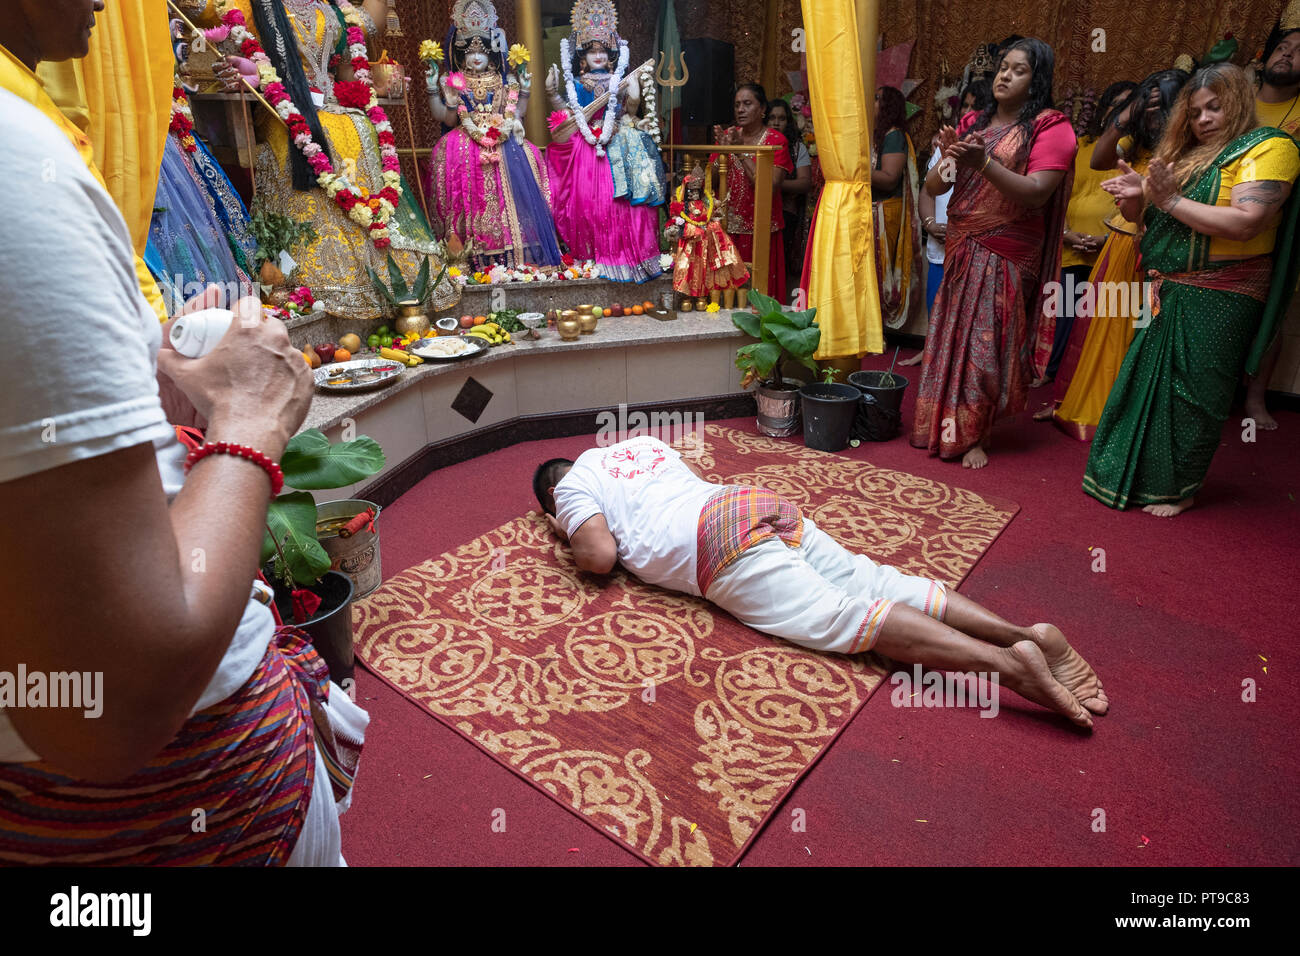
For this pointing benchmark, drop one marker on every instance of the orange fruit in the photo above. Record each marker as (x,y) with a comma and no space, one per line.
(307,358)
(480,319)
(342,355)
(609,311)
(648,306)
(637,310)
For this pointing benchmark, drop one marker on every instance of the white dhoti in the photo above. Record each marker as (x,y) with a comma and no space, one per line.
(819,595)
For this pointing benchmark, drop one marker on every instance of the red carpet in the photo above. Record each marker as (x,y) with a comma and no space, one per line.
(546,668)
(1185,772)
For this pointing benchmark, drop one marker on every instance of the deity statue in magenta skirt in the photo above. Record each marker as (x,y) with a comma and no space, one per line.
(606,173)
(489,185)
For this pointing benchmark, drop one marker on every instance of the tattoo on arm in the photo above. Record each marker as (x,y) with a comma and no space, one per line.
(1265,193)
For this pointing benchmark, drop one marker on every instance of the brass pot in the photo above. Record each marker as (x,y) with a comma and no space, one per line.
(411,318)
(568,325)
(587,321)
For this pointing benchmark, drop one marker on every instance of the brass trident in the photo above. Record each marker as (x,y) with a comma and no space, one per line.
(671,80)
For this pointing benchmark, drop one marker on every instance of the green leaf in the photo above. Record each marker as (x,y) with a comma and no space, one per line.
(380,287)
(762,355)
(421,281)
(292,519)
(747,322)
(764,304)
(311,462)
(800,343)
(801,320)
(400,291)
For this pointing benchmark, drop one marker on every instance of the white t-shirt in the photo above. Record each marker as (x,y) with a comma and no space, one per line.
(933,247)
(67,273)
(651,502)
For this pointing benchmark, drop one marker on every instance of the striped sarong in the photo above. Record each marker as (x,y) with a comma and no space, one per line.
(231,789)
(737,518)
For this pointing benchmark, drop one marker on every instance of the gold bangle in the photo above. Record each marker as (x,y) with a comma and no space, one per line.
(987,159)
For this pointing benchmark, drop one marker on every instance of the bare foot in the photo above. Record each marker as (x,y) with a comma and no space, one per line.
(1045,413)
(914,360)
(1168,511)
(1040,382)
(975,458)
(1263,420)
(1069,668)
(1031,678)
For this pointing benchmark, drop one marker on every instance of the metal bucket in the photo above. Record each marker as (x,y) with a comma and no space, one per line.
(357,556)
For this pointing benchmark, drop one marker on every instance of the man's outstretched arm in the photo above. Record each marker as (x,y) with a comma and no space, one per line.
(594,548)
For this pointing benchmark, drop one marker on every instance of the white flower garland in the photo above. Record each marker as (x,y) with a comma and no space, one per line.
(611,108)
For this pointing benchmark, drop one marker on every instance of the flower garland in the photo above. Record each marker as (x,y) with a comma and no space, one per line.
(182,120)
(611,108)
(491,135)
(372,212)
(651,105)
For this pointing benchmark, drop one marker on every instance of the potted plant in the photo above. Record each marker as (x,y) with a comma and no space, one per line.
(275,234)
(308,593)
(407,301)
(781,336)
(883,392)
(829,409)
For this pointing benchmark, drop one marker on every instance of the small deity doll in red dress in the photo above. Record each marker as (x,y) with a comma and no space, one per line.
(706,260)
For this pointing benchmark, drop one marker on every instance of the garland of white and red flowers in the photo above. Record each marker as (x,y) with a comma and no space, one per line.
(611,107)
(491,135)
(372,212)
(182,120)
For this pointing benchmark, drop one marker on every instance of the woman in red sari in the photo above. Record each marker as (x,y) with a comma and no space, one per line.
(750,107)
(1010,167)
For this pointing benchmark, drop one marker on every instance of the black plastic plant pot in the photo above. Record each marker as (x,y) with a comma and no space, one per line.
(886,387)
(882,411)
(828,413)
(330,628)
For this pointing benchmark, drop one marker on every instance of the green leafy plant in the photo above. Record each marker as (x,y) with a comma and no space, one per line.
(781,335)
(311,462)
(397,292)
(275,233)
(829,375)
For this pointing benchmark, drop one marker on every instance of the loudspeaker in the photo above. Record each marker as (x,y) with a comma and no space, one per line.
(707,95)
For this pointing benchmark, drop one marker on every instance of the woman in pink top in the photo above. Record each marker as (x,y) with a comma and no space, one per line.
(1009,167)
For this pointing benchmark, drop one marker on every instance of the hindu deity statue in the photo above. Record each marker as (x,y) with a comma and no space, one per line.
(489,185)
(706,260)
(606,173)
(330,158)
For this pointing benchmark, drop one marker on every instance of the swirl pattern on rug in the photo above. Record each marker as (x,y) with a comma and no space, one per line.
(658,718)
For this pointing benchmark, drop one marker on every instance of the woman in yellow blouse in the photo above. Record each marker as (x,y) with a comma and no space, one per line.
(1214,209)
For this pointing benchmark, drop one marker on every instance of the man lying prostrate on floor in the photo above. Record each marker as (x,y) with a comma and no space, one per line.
(753,554)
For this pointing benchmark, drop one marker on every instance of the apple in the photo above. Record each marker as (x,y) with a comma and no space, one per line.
(326,353)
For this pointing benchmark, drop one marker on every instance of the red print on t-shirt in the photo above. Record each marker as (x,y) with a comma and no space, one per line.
(627,463)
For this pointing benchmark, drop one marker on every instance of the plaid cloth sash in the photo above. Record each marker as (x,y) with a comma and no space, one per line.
(247,763)
(737,518)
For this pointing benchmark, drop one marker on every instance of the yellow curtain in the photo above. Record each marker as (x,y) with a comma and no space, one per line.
(120,96)
(842,280)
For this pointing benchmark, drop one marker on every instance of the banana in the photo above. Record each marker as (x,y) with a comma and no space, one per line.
(406,358)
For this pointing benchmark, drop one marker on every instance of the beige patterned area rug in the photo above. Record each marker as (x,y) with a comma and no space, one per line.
(659,720)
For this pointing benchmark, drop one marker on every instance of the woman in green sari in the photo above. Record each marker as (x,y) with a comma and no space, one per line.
(1218,254)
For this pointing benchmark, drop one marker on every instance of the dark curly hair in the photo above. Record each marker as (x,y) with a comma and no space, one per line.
(1145,133)
(893,115)
(1112,99)
(1042,64)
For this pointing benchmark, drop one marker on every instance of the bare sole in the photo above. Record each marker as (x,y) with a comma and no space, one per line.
(1070,669)
(1036,683)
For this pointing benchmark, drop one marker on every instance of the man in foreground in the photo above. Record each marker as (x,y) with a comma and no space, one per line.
(754,555)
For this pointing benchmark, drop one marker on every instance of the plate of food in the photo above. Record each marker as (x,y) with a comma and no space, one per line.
(357,375)
(448,348)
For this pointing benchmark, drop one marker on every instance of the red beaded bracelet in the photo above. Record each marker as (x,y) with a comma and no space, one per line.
(243,451)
